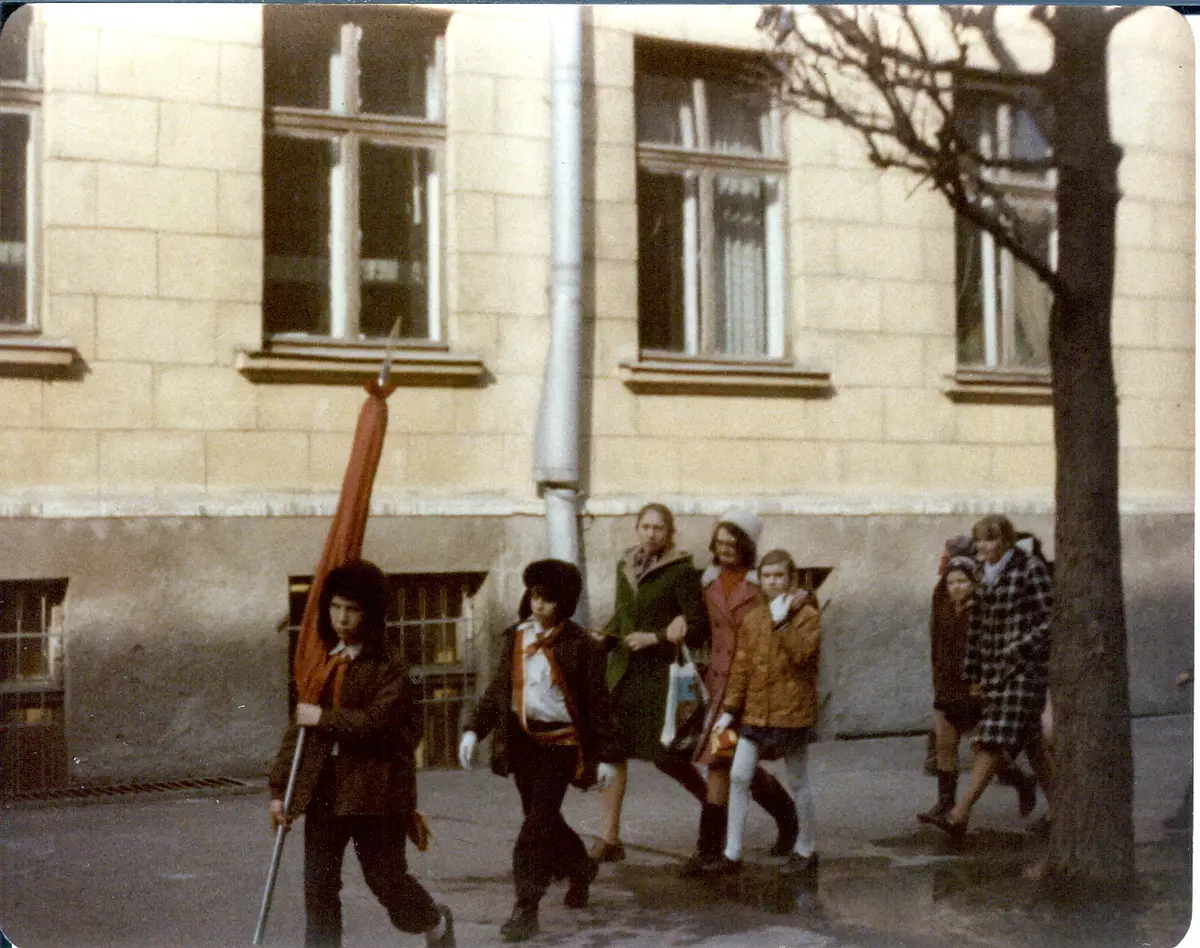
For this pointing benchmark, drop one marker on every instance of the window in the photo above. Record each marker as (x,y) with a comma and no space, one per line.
(432,623)
(352,164)
(710,190)
(33,752)
(19,102)
(1003,308)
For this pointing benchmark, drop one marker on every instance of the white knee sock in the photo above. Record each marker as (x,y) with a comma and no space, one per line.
(797,774)
(745,759)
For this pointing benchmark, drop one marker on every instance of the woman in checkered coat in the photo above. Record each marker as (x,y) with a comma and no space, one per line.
(1008,653)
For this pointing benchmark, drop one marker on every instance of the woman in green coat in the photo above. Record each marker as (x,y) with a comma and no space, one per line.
(658,606)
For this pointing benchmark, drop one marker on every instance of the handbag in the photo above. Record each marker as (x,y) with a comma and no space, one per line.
(686,702)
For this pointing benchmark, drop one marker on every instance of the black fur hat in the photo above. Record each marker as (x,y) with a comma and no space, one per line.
(365,584)
(561,581)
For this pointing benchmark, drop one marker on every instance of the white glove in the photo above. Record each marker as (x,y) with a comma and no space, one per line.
(723,722)
(466,747)
(605,775)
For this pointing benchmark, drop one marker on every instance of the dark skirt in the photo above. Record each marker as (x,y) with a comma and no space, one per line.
(774,742)
(962,715)
(639,704)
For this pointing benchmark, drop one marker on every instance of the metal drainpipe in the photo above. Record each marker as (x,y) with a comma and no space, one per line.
(556,440)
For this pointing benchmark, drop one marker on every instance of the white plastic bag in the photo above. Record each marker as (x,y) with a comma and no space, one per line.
(685,693)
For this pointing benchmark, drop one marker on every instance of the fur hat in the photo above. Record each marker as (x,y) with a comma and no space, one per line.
(364,583)
(955,547)
(744,520)
(965,564)
(561,580)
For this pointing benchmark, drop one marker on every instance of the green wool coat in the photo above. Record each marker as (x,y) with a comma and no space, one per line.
(639,680)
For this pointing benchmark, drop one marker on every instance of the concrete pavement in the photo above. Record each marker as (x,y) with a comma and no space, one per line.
(188,870)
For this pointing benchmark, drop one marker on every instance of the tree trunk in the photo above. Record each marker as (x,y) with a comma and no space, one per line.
(1091,852)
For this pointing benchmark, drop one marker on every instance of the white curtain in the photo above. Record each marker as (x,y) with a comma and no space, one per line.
(741,265)
(1031,303)
(738,120)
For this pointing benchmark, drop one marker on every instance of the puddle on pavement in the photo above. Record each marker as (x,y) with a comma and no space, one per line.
(921,889)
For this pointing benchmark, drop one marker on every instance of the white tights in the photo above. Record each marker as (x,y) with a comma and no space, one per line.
(745,760)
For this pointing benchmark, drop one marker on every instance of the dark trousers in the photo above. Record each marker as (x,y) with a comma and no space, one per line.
(546,848)
(379,842)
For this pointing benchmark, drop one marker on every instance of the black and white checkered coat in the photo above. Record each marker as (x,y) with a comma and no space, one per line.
(1008,651)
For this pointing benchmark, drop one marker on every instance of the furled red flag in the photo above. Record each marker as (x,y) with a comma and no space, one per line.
(312,665)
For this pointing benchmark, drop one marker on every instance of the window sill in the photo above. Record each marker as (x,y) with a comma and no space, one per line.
(34,355)
(667,375)
(1003,388)
(344,365)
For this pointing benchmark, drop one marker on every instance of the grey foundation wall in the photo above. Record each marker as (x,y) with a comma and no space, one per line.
(176,642)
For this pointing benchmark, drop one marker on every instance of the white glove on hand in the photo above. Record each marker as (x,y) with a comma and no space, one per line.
(466,747)
(605,775)
(723,722)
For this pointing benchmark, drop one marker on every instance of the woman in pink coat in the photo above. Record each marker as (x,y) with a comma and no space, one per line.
(730,590)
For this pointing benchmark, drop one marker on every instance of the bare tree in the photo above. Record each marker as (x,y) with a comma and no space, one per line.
(901,77)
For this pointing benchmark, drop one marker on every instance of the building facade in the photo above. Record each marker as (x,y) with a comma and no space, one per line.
(215,219)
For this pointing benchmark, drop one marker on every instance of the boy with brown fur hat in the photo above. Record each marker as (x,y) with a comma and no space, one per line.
(549,712)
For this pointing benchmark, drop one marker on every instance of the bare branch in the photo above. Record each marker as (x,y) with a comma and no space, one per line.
(898,90)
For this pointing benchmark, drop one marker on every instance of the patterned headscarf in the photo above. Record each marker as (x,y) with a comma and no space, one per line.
(643,562)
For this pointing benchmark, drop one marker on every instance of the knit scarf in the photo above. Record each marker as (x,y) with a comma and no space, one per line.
(643,562)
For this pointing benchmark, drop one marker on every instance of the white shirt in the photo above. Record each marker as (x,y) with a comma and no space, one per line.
(544,700)
(352,651)
(992,571)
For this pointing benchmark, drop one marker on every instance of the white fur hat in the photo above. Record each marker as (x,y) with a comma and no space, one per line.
(744,520)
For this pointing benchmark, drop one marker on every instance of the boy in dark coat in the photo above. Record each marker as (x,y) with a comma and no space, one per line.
(549,712)
(357,776)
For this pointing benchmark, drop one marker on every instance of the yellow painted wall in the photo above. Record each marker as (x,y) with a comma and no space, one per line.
(151,203)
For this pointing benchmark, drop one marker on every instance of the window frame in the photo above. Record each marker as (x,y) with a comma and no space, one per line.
(997,266)
(25,97)
(444,692)
(348,131)
(699,165)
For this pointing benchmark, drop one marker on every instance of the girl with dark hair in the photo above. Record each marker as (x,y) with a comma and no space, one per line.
(730,591)
(658,606)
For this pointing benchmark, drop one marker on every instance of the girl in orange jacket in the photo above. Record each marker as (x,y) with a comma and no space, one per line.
(773,693)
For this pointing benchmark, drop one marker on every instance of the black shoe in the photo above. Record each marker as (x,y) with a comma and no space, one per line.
(789,829)
(604,851)
(446,940)
(955,831)
(696,866)
(723,866)
(798,865)
(937,811)
(577,886)
(521,925)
